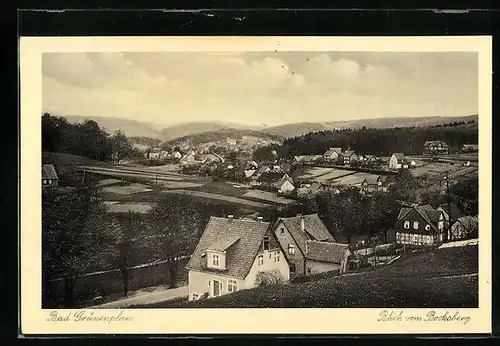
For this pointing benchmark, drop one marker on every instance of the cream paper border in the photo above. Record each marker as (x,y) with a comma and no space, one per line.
(213,321)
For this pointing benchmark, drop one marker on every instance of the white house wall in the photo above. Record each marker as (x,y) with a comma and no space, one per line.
(268,265)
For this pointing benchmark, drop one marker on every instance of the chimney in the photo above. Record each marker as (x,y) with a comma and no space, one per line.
(302,224)
(230,216)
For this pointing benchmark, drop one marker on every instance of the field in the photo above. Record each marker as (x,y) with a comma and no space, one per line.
(222,188)
(221,198)
(267,197)
(440,278)
(352,179)
(126,189)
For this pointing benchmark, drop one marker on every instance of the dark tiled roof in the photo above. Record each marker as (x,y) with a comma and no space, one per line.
(224,243)
(349,153)
(326,251)
(314,227)
(241,255)
(49,172)
(456,213)
(333,150)
(427,212)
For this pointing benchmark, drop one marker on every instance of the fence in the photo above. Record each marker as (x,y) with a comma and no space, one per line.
(110,282)
(367,251)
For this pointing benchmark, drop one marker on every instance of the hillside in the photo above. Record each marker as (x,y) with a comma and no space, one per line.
(65,159)
(223,135)
(131,128)
(437,278)
(186,129)
(299,129)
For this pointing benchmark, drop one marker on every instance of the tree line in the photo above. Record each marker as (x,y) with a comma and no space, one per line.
(86,139)
(380,142)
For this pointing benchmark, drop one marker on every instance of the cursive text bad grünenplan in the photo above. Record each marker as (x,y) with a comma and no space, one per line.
(88,316)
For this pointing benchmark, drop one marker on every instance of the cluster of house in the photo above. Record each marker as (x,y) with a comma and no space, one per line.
(338,156)
(233,252)
(436,148)
(275,177)
(425,225)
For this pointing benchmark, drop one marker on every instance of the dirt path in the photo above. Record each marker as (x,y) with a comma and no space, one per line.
(159,295)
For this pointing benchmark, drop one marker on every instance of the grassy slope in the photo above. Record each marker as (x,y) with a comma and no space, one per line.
(418,280)
(64,159)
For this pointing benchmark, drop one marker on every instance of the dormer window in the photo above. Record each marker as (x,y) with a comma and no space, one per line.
(215,260)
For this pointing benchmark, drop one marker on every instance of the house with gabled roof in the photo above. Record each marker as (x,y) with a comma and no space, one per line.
(261,170)
(322,256)
(465,227)
(397,161)
(293,233)
(349,157)
(419,225)
(230,254)
(450,211)
(333,154)
(435,147)
(49,176)
(372,183)
(280,182)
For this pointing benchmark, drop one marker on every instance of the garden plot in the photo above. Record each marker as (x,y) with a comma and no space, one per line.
(433,169)
(312,172)
(267,197)
(127,189)
(334,174)
(352,179)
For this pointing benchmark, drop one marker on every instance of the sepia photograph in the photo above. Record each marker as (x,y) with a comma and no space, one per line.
(251,179)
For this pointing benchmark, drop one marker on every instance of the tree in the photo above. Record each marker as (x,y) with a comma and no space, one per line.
(121,146)
(72,234)
(174,229)
(404,186)
(466,193)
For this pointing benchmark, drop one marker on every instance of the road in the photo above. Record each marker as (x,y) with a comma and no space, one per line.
(141,297)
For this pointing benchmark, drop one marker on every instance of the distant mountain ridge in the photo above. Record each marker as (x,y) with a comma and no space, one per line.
(299,129)
(131,128)
(135,128)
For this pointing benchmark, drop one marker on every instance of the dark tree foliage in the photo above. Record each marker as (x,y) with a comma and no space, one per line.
(87,139)
(266,153)
(380,142)
(466,195)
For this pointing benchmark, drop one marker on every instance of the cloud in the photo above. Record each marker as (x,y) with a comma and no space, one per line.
(257,88)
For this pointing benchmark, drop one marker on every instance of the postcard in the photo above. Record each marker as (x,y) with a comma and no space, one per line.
(263,185)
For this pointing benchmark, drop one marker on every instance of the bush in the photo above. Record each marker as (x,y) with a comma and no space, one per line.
(272,277)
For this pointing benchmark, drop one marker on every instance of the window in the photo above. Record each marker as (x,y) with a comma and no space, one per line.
(282,231)
(195,296)
(232,285)
(276,256)
(415,224)
(44,181)
(260,260)
(292,267)
(50,182)
(291,249)
(407,224)
(215,260)
(266,244)
(427,227)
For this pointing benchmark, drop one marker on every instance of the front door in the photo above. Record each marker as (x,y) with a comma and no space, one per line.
(216,287)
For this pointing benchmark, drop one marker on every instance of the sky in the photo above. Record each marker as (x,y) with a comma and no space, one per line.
(259,88)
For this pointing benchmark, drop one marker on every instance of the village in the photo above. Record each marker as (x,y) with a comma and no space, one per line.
(252,249)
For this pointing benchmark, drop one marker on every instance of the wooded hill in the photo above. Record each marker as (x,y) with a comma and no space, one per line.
(222,135)
(382,142)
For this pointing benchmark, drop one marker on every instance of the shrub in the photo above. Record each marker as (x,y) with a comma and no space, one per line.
(272,277)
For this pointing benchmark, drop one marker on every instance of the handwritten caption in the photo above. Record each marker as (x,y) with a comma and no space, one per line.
(89,316)
(429,316)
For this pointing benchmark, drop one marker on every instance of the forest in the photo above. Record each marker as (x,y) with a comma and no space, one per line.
(87,140)
(381,142)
